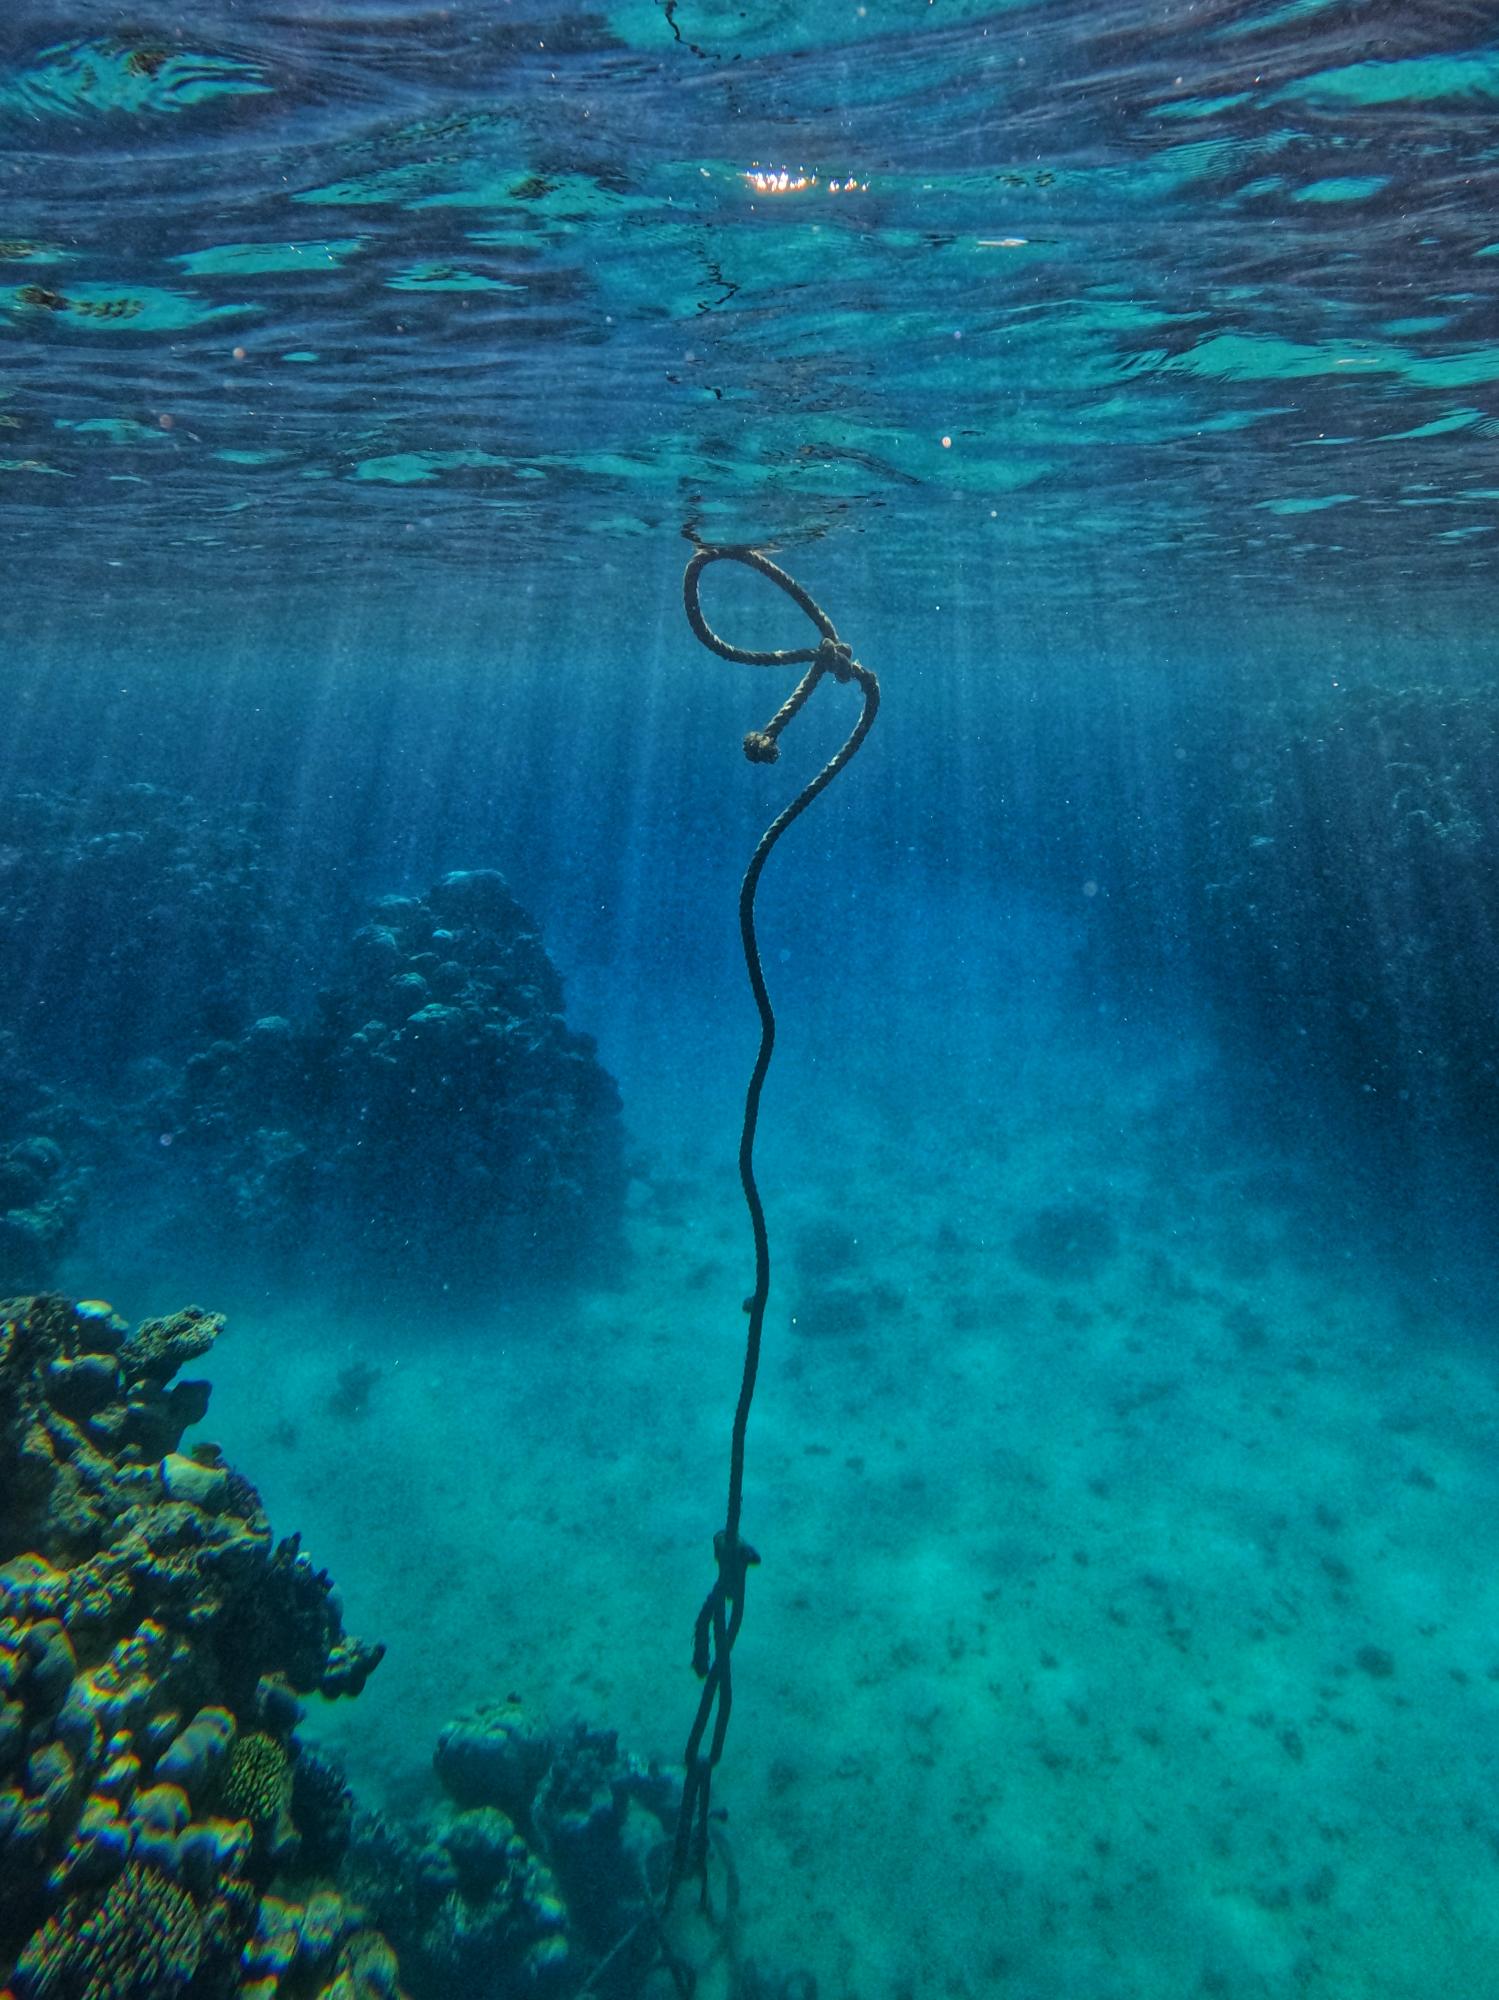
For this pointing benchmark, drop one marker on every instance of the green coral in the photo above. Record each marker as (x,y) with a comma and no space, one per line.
(141,1941)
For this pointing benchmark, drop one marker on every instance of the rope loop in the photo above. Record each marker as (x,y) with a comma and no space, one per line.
(752,559)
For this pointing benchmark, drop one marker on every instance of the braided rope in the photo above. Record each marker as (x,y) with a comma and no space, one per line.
(722,1613)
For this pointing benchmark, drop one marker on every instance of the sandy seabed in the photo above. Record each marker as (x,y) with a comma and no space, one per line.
(1128,1622)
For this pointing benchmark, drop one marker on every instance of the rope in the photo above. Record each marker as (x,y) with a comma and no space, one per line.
(722,1614)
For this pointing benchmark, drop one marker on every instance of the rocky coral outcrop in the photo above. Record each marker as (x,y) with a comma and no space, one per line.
(40,1199)
(166,1052)
(436,1106)
(533,1876)
(133,921)
(153,1646)
(43,1181)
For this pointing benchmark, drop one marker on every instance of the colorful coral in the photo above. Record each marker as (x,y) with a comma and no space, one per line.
(152,1644)
(257,1787)
(141,1940)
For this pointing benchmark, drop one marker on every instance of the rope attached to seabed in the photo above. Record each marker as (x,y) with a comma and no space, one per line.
(722,1614)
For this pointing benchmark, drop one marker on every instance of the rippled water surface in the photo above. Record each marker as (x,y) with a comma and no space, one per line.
(407,289)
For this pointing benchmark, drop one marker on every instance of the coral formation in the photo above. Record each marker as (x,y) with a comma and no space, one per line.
(219,1078)
(153,1643)
(1319,865)
(39,1203)
(142,1937)
(179,884)
(533,1876)
(42,1183)
(133,923)
(257,1786)
(436,1104)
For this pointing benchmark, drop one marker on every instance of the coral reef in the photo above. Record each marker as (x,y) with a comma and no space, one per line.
(428,1101)
(164,1831)
(176,892)
(39,1204)
(437,1104)
(153,1645)
(1318,864)
(43,1184)
(532,1876)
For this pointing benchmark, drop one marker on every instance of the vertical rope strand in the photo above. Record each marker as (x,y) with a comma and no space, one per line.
(722,1613)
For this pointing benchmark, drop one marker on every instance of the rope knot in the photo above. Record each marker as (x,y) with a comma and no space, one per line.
(733,1557)
(760,747)
(834,658)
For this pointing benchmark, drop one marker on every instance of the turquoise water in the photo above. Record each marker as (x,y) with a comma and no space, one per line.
(1122,383)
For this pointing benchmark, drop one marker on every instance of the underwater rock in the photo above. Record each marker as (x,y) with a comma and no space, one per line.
(322,1810)
(430,1103)
(595,1843)
(162,1830)
(151,1639)
(196,1752)
(462,1940)
(184,1478)
(481,1845)
(436,1108)
(1339,899)
(39,1204)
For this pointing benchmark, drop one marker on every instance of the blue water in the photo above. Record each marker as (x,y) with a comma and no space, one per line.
(1122,383)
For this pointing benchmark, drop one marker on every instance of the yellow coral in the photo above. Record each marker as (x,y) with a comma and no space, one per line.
(257,1787)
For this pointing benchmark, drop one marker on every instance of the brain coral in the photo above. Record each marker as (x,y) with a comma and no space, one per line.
(257,1787)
